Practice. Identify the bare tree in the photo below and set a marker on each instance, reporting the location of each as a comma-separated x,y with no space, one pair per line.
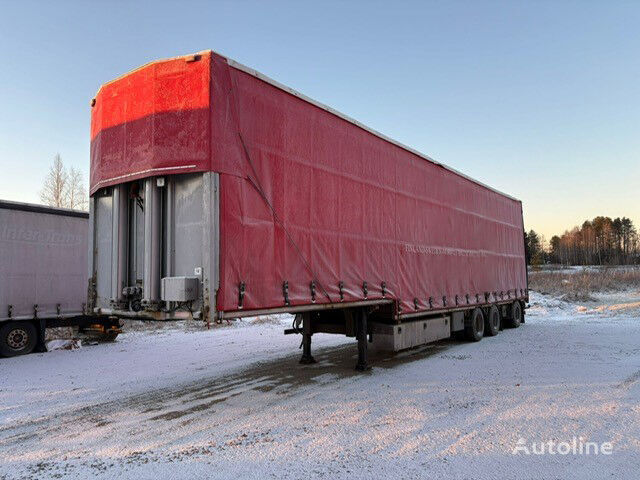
54,189
64,188
76,193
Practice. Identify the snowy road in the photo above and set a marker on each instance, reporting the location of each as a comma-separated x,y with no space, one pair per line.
191,404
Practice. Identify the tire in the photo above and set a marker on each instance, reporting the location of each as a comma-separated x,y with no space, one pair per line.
17,338
515,315
492,323
474,326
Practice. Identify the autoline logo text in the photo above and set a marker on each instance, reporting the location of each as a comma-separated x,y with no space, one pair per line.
576,446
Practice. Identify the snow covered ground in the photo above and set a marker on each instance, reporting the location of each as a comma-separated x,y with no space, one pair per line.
232,402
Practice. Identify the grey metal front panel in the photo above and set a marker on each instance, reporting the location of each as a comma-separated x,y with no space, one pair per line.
136,243
43,262
210,243
171,231
120,245
188,224
152,240
103,248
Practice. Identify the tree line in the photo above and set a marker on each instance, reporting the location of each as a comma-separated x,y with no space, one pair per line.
601,241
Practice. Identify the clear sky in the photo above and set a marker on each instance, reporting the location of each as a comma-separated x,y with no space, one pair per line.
538,99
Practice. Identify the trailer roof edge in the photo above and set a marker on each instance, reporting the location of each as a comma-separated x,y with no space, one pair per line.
35,208
302,96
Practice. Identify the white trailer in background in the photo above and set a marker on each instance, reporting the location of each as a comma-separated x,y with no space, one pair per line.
43,275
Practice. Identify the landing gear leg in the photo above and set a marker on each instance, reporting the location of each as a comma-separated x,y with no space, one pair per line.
361,335
41,346
307,358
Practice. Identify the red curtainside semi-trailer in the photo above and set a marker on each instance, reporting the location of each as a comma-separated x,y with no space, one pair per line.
217,193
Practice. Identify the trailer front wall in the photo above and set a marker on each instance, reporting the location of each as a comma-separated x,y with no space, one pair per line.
153,121
43,262
307,196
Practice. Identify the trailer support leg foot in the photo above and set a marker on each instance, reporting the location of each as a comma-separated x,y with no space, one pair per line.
361,333
307,358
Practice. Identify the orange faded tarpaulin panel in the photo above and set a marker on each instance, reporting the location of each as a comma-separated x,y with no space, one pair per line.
152,121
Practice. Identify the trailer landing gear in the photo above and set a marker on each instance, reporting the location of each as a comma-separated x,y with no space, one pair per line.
361,335
360,317
307,358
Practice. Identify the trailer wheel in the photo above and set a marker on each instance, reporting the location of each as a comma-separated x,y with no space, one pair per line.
17,338
492,324
474,326
515,315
